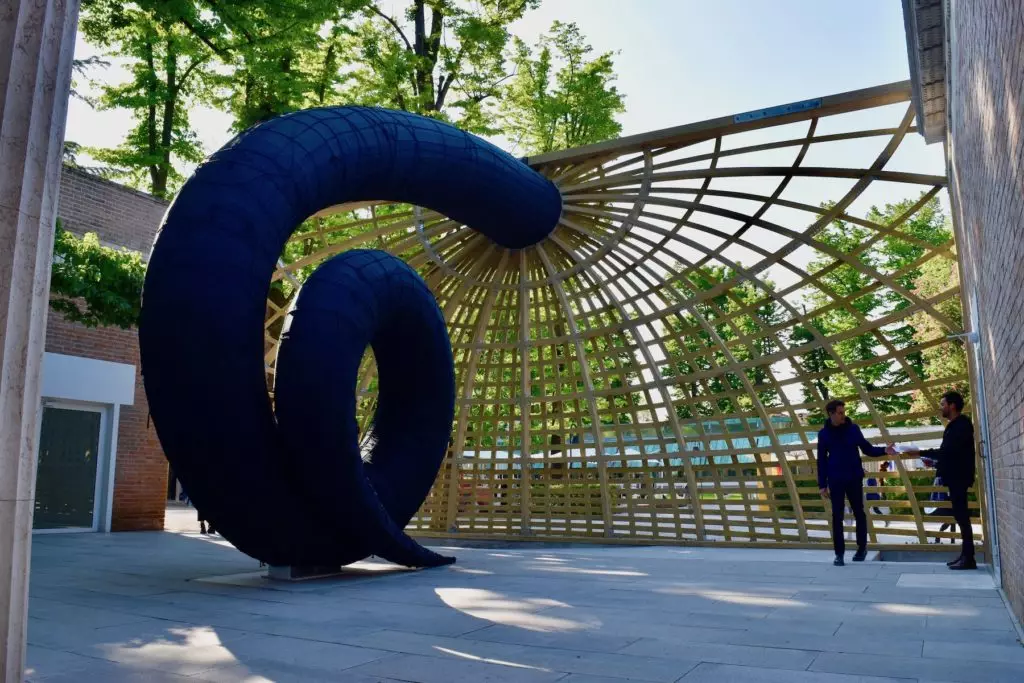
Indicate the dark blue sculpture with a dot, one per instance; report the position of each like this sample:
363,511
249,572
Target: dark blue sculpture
292,488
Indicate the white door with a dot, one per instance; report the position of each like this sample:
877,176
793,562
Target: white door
71,467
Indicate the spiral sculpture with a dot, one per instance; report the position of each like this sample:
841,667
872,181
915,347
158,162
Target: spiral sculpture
290,482
650,370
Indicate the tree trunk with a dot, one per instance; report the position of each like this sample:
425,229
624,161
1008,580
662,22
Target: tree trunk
170,104
151,138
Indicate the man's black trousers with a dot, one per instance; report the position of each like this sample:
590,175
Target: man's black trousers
854,492
958,501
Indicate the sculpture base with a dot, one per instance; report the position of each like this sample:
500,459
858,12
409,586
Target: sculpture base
293,573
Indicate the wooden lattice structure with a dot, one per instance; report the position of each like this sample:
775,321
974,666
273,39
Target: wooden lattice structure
655,370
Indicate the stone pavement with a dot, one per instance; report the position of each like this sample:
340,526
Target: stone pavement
180,607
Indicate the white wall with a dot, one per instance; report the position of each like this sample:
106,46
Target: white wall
71,378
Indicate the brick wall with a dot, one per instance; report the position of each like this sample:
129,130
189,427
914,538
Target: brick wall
123,217
986,148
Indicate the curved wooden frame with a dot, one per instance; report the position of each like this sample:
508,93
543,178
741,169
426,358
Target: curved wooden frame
571,346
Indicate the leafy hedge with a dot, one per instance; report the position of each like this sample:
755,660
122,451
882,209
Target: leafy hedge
95,285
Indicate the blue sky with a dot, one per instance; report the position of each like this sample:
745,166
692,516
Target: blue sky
690,60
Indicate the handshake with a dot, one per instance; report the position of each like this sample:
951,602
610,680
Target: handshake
890,449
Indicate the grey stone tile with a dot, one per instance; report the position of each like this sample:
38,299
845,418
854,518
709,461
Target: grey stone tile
328,632
281,651
605,664
765,657
589,678
720,673
552,614
109,672
955,580
268,673
783,637
971,618
539,657
163,655
585,640
439,620
85,617
41,661
914,668
402,642
56,635
983,652
419,669
883,630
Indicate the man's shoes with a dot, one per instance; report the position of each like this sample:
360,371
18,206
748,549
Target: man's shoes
952,562
860,555
964,563
838,562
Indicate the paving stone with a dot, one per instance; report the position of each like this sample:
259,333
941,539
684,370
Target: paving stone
419,669
129,608
765,657
912,668
720,673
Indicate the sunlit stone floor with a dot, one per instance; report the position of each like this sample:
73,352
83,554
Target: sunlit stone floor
178,606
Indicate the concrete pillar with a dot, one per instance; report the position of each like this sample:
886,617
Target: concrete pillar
37,43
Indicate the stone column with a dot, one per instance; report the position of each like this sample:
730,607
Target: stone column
37,43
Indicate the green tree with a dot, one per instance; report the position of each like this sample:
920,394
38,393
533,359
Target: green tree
864,299
743,310
946,361
440,58
283,57
181,53
560,97
165,61
95,285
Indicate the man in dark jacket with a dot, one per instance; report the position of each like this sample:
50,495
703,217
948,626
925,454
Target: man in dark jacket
841,475
954,460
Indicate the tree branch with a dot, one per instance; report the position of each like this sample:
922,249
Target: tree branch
444,84
188,71
216,8
205,40
376,10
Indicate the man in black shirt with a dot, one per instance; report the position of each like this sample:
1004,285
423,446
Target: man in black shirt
954,460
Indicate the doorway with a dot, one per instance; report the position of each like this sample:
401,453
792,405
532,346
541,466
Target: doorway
71,491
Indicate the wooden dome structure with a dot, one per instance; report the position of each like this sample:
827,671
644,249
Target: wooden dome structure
654,371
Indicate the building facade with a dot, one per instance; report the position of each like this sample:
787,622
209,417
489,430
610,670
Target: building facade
95,429
967,65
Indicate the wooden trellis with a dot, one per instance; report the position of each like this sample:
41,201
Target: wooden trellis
620,381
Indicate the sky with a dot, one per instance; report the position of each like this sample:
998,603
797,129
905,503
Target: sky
678,61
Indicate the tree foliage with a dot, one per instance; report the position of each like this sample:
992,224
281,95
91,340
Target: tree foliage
742,310
184,53
441,58
279,56
863,299
165,62
560,97
95,285
947,361
449,59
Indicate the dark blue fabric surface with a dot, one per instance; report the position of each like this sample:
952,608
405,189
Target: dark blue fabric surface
839,451
201,329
